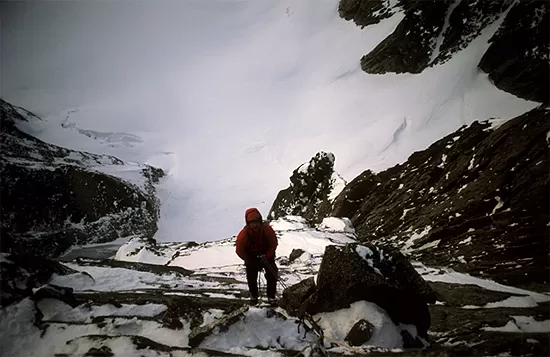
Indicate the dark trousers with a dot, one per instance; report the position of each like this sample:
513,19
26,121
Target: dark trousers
271,271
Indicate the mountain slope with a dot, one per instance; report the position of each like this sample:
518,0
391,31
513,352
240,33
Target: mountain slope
53,197
241,102
163,311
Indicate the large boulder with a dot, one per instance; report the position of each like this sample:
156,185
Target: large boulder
53,197
517,60
385,277
313,187
476,200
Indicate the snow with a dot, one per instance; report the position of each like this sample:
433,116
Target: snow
119,279
292,233
365,253
270,83
513,301
127,253
498,206
338,185
447,275
407,247
257,330
430,245
466,241
334,224
337,324
471,166
522,324
56,310
443,160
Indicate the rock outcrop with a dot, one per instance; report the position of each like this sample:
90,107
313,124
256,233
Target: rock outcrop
383,276
313,187
409,47
432,31
517,60
21,274
53,197
365,12
476,201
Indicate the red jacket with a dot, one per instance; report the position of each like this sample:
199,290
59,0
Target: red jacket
250,244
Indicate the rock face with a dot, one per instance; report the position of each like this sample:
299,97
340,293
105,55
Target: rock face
20,274
432,31
295,296
313,187
364,272
365,12
53,197
409,47
476,200
517,60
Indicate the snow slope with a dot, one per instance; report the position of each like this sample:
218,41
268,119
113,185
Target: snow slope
230,97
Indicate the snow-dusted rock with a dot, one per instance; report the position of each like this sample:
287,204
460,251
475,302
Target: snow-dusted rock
53,197
313,187
21,274
366,12
383,276
517,59
433,31
476,200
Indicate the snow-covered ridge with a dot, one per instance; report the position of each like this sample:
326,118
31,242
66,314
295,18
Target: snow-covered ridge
293,232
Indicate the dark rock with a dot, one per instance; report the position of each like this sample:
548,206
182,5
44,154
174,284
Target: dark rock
383,276
475,200
409,341
311,185
53,197
150,268
22,273
432,31
103,351
296,295
517,60
295,254
466,22
191,245
365,12
55,292
410,46
360,333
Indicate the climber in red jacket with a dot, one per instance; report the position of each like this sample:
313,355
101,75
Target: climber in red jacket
256,245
